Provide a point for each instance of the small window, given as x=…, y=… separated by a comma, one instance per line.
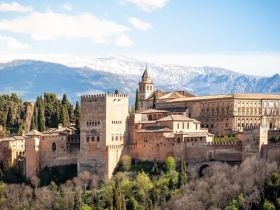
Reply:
x=53, y=147
x=98, y=138
x=87, y=139
x=92, y=138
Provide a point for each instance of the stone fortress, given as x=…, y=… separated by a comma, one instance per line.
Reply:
x=164, y=124
x=173, y=124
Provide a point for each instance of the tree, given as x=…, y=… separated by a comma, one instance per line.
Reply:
x=154, y=100
x=77, y=114
x=77, y=201
x=118, y=198
x=41, y=114
x=10, y=121
x=170, y=164
x=268, y=205
x=125, y=162
x=183, y=174
x=32, y=125
x=64, y=117
x=116, y=92
x=136, y=101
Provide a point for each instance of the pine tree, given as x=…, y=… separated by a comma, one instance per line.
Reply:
x=136, y=101
x=117, y=92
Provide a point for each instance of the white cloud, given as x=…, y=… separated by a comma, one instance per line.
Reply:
x=10, y=44
x=14, y=7
x=67, y=7
x=148, y=5
x=139, y=24
x=50, y=26
x=124, y=41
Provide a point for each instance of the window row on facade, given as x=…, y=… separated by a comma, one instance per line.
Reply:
x=117, y=137
x=116, y=122
x=93, y=138
x=148, y=87
x=93, y=123
x=214, y=112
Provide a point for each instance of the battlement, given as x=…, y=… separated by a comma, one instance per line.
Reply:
x=227, y=144
x=102, y=96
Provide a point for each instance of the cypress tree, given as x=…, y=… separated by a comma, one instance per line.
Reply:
x=64, y=117
x=41, y=115
x=9, y=120
x=183, y=174
x=118, y=198
x=77, y=202
x=32, y=125
x=154, y=100
x=77, y=115
x=136, y=101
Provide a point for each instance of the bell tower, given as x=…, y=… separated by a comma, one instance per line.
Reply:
x=145, y=89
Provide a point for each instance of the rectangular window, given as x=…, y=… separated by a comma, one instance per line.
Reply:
x=183, y=125
x=98, y=138
x=87, y=139
x=178, y=125
x=92, y=138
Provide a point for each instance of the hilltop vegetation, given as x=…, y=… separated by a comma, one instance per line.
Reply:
x=255, y=184
x=49, y=111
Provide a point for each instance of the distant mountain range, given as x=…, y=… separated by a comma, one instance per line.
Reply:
x=30, y=78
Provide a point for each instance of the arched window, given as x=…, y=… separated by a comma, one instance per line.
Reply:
x=53, y=147
x=178, y=140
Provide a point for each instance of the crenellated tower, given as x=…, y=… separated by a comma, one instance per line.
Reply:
x=103, y=132
x=145, y=89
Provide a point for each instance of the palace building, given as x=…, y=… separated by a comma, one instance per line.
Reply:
x=174, y=123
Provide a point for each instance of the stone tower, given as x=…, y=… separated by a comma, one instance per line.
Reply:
x=103, y=127
x=145, y=89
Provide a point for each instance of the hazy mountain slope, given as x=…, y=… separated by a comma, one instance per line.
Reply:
x=31, y=78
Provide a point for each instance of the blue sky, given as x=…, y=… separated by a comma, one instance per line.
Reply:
x=239, y=34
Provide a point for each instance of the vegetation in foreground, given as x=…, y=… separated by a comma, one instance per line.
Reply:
x=255, y=184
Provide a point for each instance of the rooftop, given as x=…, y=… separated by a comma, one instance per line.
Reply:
x=226, y=96
x=177, y=118
x=155, y=129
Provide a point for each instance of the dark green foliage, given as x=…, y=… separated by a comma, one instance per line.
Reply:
x=275, y=139
x=41, y=114
x=182, y=178
x=11, y=113
x=58, y=174
x=136, y=101
x=77, y=115
x=154, y=100
x=77, y=201
x=64, y=120
x=118, y=198
x=116, y=92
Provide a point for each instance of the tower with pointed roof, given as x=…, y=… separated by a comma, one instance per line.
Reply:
x=145, y=89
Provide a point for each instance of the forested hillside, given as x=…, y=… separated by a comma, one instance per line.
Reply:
x=49, y=111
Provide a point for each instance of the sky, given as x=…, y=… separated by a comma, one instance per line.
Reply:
x=241, y=35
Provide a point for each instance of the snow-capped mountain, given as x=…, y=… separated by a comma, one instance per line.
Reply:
x=31, y=78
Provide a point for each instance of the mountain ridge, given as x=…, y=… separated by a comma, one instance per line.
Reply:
x=30, y=78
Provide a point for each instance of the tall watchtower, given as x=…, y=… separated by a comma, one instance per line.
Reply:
x=103, y=127
x=145, y=89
